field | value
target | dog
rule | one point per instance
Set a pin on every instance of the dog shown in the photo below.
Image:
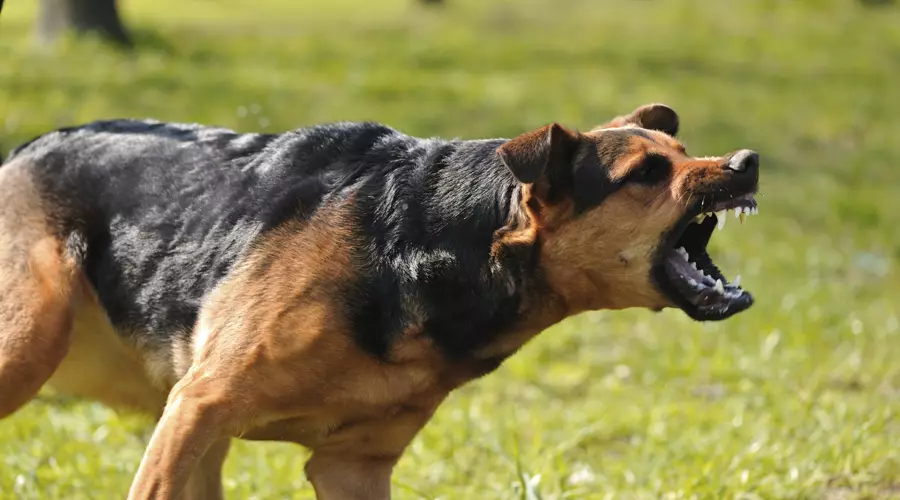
(331, 285)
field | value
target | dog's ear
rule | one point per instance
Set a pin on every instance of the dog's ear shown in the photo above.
(650, 116)
(543, 158)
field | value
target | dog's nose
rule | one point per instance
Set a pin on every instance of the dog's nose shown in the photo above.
(743, 161)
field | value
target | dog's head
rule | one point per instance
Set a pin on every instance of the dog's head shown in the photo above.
(623, 214)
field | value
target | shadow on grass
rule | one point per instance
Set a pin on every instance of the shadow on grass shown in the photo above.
(148, 40)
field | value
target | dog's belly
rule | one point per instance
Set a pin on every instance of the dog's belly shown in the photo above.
(101, 367)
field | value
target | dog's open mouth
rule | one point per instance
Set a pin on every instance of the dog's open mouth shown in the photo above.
(687, 274)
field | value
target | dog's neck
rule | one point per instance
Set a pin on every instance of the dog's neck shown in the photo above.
(514, 267)
(529, 250)
(455, 241)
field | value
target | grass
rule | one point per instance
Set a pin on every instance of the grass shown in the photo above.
(798, 398)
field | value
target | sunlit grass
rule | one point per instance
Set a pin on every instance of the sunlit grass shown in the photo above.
(797, 398)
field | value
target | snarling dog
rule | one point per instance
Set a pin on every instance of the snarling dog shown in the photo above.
(331, 285)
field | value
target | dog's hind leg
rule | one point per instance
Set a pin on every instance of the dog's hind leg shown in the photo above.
(36, 286)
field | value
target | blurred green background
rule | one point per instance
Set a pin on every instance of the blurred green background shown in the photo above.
(797, 398)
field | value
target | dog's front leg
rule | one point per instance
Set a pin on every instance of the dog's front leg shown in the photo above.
(338, 477)
(196, 416)
(356, 461)
(206, 481)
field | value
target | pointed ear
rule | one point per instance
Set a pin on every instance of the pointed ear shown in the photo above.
(650, 116)
(542, 157)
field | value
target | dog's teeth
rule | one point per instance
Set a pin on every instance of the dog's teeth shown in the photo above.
(694, 265)
(737, 212)
(720, 287)
(755, 210)
(720, 217)
(692, 282)
(737, 281)
(682, 252)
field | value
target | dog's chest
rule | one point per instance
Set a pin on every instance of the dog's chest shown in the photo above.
(363, 401)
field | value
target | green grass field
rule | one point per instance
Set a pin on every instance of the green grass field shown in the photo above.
(798, 398)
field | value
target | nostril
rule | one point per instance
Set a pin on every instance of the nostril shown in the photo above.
(743, 160)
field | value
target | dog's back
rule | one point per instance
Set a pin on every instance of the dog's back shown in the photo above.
(158, 213)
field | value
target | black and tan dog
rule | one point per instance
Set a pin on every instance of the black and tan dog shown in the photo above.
(331, 285)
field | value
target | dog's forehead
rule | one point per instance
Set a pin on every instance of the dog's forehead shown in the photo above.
(618, 151)
(623, 140)
(620, 148)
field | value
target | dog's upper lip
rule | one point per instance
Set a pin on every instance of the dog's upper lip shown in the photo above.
(711, 203)
(744, 201)
(743, 206)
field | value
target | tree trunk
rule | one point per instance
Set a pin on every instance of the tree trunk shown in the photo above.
(99, 17)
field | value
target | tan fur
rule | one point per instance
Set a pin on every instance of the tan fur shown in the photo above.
(206, 481)
(122, 379)
(36, 282)
(272, 346)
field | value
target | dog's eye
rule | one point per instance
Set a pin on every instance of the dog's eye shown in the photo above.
(654, 168)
